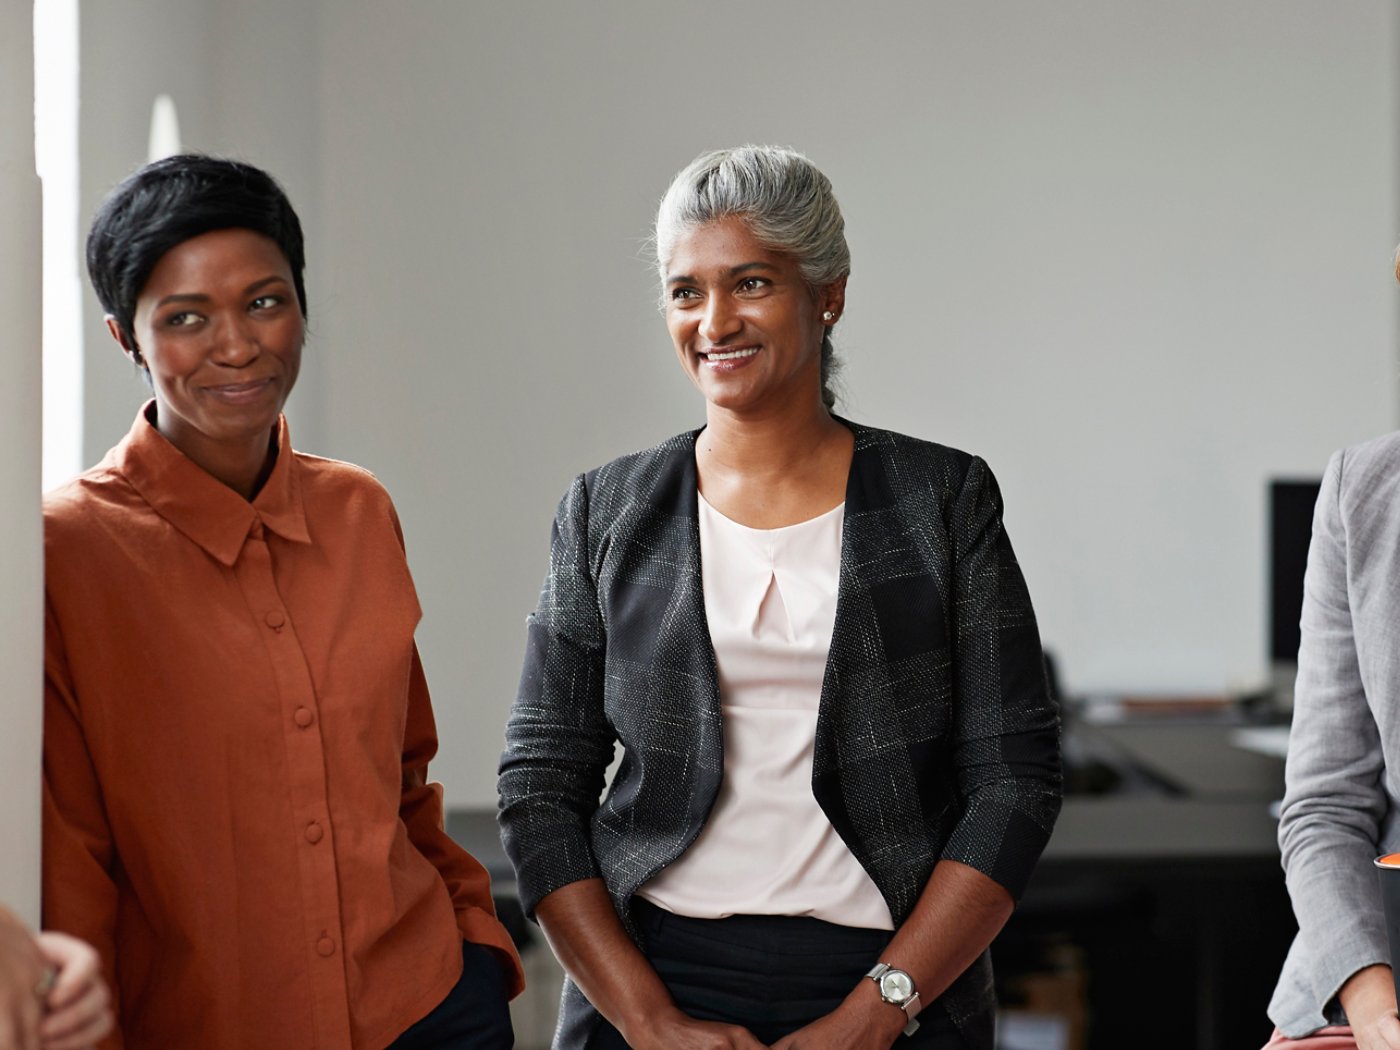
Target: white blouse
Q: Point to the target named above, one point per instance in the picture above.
(767, 847)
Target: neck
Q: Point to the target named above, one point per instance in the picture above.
(243, 467)
(243, 470)
(768, 442)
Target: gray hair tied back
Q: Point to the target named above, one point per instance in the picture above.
(787, 203)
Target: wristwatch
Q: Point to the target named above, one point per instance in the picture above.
(897, 988)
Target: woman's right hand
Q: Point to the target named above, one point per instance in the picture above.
(1368, 997)
(677, 1031)
(588, 939)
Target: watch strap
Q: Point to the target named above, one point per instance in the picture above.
(911, 1010)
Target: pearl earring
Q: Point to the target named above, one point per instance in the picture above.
(828, 317)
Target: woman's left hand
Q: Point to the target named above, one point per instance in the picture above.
(862, 1022)
(77, 1008)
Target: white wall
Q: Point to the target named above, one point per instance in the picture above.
(21, 588)
(128, 54)
(1136, 254)
(244, 83)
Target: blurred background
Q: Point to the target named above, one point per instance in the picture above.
(1138, 256)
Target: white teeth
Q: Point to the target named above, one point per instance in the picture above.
(730, 355)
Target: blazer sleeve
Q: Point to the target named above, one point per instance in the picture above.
(1006, 751)
(559, 741)
(1333, 803)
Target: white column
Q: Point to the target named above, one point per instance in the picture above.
(21, 551)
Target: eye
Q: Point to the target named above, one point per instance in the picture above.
(754, 284)
(266, 302)
(183, 319)
(682, 294)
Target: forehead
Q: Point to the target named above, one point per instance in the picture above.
(720, 246)
(202, 264)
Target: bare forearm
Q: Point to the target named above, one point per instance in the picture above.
(588, 938)
(589, 941)
(957, 916)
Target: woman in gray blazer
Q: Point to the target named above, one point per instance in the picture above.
(781, 827)
(1341, 808)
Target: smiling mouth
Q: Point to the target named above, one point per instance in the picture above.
(240, 392)
(729, 355)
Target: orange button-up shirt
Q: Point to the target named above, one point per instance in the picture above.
(236, 739)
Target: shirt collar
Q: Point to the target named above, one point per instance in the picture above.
(203, 508)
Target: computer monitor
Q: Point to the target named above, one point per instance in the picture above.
(1290, 530)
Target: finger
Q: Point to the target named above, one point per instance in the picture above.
(78, 967)
(77, 1016)
(97, 1028)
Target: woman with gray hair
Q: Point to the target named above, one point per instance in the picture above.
(814, 644)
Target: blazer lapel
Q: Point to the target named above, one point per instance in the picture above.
(860, 750)
(659, 592)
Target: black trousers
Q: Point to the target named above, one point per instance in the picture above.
(770, 973)
(475, 1014)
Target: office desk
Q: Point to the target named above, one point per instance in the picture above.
(1198, 758)
(1176, 901)
(1213, 807)
(1153, 831)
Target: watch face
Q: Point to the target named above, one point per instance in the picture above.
(896, 986)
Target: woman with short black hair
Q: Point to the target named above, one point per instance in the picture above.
(237, 725)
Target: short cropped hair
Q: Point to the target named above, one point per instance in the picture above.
(171, 201)
(785, 200)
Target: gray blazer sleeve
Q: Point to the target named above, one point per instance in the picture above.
(1330, 827)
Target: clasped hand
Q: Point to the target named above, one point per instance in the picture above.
(851, 1026)
(52, 996)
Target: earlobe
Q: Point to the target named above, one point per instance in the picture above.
(833, 300)
(129, 348)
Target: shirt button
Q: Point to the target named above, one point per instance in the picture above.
(314, 833)
(303, 717)
(325, 947)
(275, 619)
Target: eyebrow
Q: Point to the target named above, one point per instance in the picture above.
(733, 271)
(199, 297)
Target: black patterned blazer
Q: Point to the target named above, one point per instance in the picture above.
(936, 733)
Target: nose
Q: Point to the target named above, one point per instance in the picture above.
(720, 320)
(236, 342)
